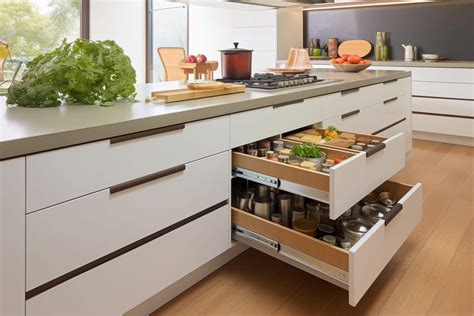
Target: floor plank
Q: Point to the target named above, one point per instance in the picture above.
(422, 278)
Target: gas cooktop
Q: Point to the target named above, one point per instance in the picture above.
(268, 81)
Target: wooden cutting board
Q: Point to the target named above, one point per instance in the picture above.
(355, 47)
(191, 94)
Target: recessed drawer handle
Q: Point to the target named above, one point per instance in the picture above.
(390, 100)
(279, 105)
(372, 151)
(149, 132)
(145, 179)
(393, 212)
(349, 91)
(348, 114)
(390, 81)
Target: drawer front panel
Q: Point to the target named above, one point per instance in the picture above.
(444, 106)
(57, 242)
(296, 115)
(339, 103)
(362, 120)
(444, 90)
(443, 125)
(120, 284)
(60, 175)
(261, 123)
(363, 174)
(401, 127)
(455, 75)
(395, 88)
(389, 111)
(371, 253)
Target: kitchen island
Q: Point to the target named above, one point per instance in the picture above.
(104, 207)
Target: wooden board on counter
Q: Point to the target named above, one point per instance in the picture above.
(190, 94)
(355, 47)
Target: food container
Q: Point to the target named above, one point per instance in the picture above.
(330, 239)
(236, 63)
(305, 226)
(278, 145)
(355, 228)
(346, 245)
(323, 230)
(262, 152)
(283, 158)
(374, 212)
(298, 213)
(244, 201)
(312, 211)
(276, 218)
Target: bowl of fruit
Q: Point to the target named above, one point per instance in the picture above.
(350, 63)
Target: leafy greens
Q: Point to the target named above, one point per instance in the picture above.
(83, 72)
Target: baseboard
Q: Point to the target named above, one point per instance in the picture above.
(443, 138)
(166, 295)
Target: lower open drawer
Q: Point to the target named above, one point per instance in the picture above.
(354, 270)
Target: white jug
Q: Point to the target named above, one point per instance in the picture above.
(410, 52)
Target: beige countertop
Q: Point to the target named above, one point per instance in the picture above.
(400, 63)
(30, 130)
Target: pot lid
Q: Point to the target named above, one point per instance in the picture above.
(356, 225)
(374, 211)
(235, 49)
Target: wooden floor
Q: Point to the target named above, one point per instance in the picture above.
(430, 274)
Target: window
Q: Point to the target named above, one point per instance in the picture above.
(34, 27)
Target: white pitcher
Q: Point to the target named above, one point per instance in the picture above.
(410, 52)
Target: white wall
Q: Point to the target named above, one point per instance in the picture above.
(124, 22)
(215, 28)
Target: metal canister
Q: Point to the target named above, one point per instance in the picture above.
(262, 152)
(262, 190)
(278, 145)
(283, 158)
(262, 206)
(284, 207)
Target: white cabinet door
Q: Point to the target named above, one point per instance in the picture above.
(12, 237)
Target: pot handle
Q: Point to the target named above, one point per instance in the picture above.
(393, 212)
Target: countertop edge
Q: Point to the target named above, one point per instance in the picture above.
(36, 144)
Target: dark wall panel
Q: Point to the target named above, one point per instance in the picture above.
(446, 29)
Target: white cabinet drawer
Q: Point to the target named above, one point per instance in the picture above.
(67, 236)
(444, 90)
(395, 88)
(342, 187)
(455, 75)
(361, 120)
(403, 126)
(443, 106)
(354, 270)
(443, 125)
(60, 175)
(122, 283)
(349, 100)
(265, 122)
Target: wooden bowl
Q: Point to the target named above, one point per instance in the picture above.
(350, 67)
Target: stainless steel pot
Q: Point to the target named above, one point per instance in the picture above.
(355, 228)
(374, 212)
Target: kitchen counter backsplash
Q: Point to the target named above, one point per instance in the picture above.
(428, 26)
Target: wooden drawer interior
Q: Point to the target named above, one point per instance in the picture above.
(306, 177)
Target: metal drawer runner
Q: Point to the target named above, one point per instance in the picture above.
(291, 256)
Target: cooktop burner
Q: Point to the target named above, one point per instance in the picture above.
(268, 81)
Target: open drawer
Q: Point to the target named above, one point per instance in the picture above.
(354, 270)
(347, 182)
